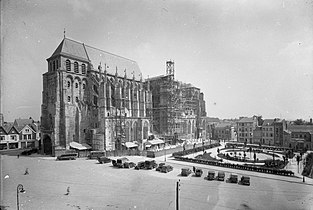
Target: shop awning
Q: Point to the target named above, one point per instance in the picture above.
(130, 144)
(155, 141)
(79, 146)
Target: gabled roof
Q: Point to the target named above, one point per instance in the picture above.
(110, 62)
(247, 119)
(300, 128)
(7, 126)
(3, 130)
(29, 126)
(268, 122)
(21, 123)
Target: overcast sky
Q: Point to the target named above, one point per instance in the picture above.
(248, 57)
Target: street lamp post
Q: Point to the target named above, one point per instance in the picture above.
(19, 189)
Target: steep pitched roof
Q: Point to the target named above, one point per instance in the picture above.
(110, 62)
(19, 124)
(7, 126)
(268, 122)
(300, 128)
(247, 119)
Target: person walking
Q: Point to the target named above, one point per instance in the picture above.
(26, 171)
(67, 191)
(194, 169)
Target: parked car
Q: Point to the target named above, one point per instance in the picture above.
(96, 154)
(70, 156)
(103, 159)
(120, 162)
(166, 168)
(198, 172)
(221, 176)
(211, 175)
(129, 165)
(114, 163)
(150, 164)
(160, 166)
(233, 178)
(245, 180)
(185, 171)
(140, 165)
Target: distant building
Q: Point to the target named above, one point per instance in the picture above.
(224, 131)
(245, 127)
(280, 126)
(210, 123)
(268, 132)
(20, 134)
(299, 137)
(257, 135)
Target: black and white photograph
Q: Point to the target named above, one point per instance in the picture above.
(156, 105)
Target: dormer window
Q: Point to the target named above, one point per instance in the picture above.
(83, 69)
(68, 65)
(75, 67)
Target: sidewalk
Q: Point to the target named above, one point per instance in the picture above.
(297, 169)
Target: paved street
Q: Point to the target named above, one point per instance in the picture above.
(96, 186)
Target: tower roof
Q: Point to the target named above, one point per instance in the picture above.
(110, 62)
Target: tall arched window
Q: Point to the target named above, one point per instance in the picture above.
(83, 69)
(76, 85)
(84, 86)
(75, 67)
(68, 65)
(68, 98)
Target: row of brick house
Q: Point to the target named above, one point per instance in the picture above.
(22, 133)
(275, 132)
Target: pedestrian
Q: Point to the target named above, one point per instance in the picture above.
(194, 169)
(26, 171)
(67, 191)
(18, 156)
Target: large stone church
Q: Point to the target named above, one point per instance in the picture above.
(92, 98)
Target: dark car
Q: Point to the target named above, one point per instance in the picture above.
(120, 162)
(233, 178)
(70, 156)
(185, 171)
(160, 166)
(245, 180)
(166, 168)
(103, 159)
(140, 165)
(211, 175)
(150, 164)
(198, 172)
(221, 176)
(114, 163)
(129, 165)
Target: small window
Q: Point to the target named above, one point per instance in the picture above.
(53, 65)
(76, 85)
(68, 84)
(83, 69)
(68, 98)
(84, 86)
(75, 67)
(76, 99)
(95, 100)
(68, 65)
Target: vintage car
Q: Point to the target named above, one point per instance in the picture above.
(166, 168)
(233, 178)
(245, 180)
(185, 171)
(96, 154)
(160, 166)
(140, 165)
(220, 176)
(129, 165)
(150, 164)
(70, 156)
(103, 159)
(120, 162)
(198, 172)
(211, 175)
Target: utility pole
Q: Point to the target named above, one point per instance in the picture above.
(177, 194)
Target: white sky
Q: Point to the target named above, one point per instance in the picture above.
(247, 56)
